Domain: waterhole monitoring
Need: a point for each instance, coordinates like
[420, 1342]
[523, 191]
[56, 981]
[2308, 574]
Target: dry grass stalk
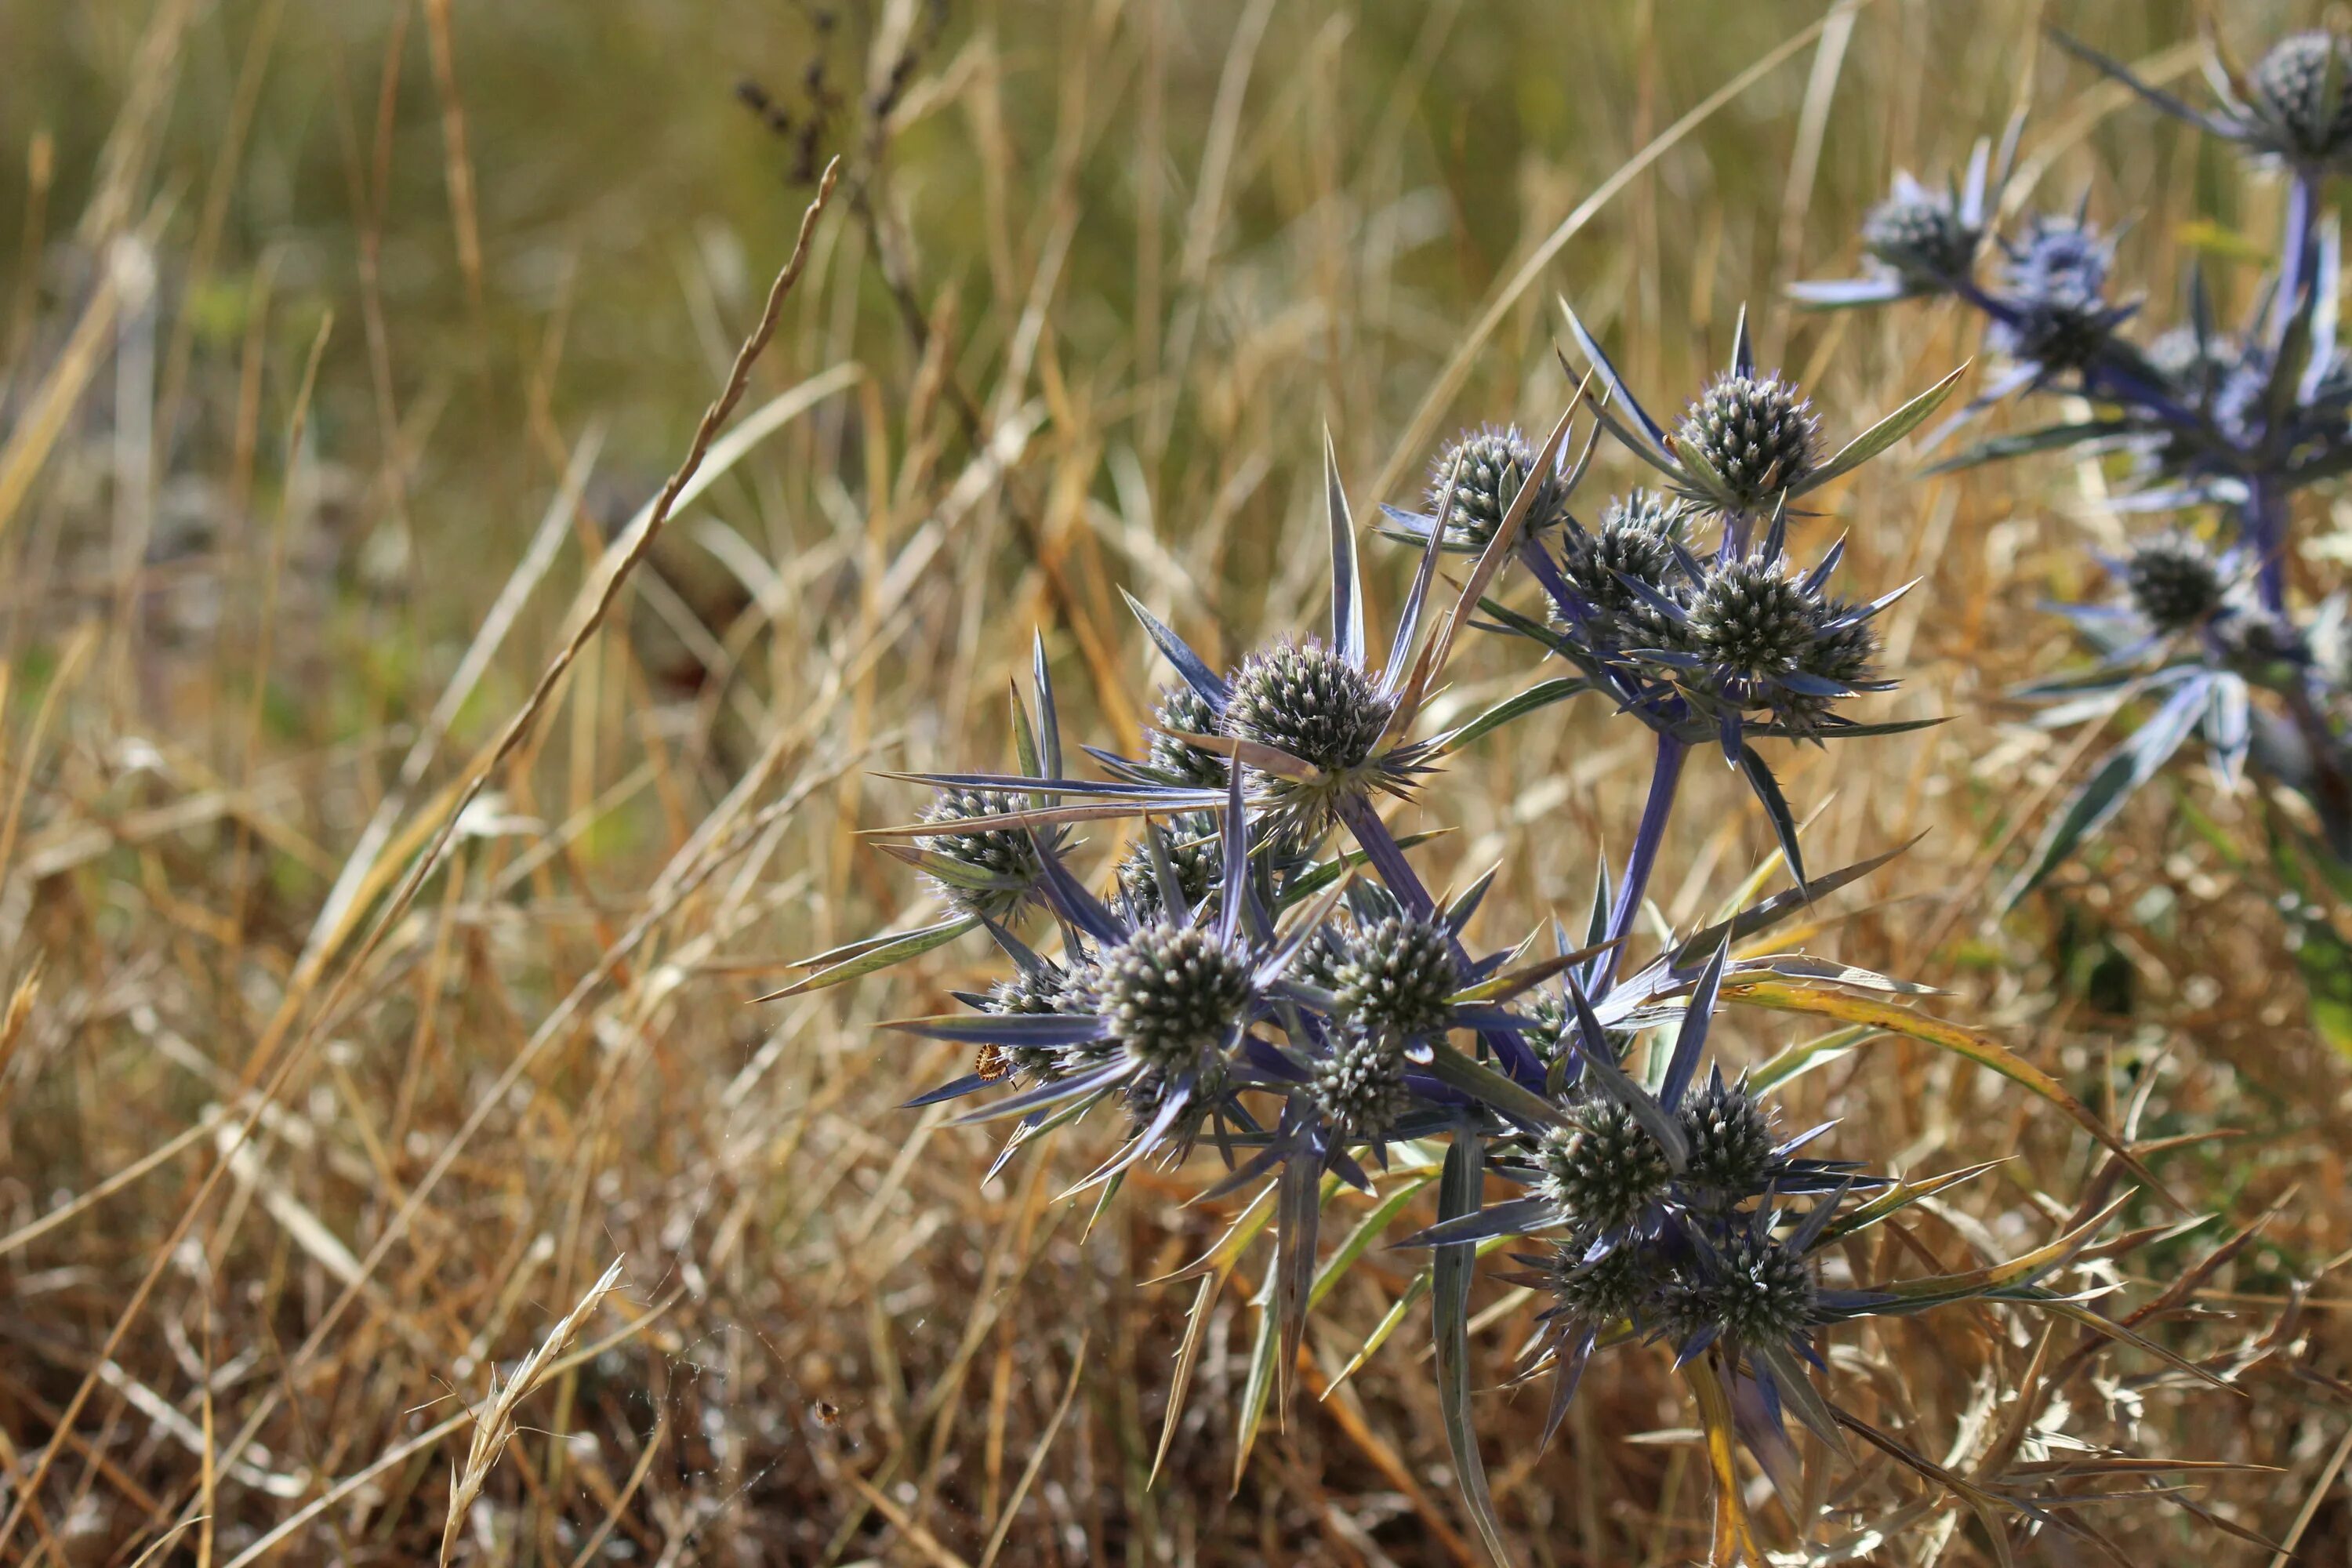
[494, 1417]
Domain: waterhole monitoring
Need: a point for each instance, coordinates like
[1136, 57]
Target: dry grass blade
[494, 1418]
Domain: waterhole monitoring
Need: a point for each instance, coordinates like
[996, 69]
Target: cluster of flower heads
[1711, 641]
[1262, 971]
[2229, 422]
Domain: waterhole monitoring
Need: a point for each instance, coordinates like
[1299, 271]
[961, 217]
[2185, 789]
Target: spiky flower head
[1360, 1085]
[2056, 279]
[1555, 1033]
[1044, 991]
[1172, 994]
[1183, 710]
[1748, 617]
[1636, 540]
[2192, 360]
[1495, 461]
[2301, 93]
[1757, 433]
[1732, 1153]
[2174, 581]
[2260, 644]
[1395, 974]
[1603, 1292]
[1001, 863]
[1753, 1290]
[1195, 853]
[1604, 1169]
[1305, 699]
[1920, 234]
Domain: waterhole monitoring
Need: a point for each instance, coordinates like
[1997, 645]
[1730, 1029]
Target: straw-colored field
[340, 345]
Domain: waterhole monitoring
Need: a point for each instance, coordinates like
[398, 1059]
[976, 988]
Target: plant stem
[2264, 522]
[2294, 251]
[1665, 775]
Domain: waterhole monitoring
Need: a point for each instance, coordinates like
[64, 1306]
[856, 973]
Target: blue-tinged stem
[1736, 526]
[1666, 776]
[1396, 872]
[1386, 857]
[2294, 251]
[2263, 519]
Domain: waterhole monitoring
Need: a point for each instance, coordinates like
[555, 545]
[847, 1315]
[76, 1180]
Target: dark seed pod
[1601, 1293]
[1172, 994]
[1360, 1085]
[2056, 277]
[1921, 237]
[2174, 582]
[1604, 1169]
[1395, 976]
[1731, 1148]
[1185, 711]
[1754, 1291]
[1495, 462]
[1749, 618]
[2260, 646]
[1008, 855]
[2302, 92]
[1757, 433]
[1636, 540]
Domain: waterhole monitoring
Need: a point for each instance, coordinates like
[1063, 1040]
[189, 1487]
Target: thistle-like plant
[1264, 972]
[2230, 422]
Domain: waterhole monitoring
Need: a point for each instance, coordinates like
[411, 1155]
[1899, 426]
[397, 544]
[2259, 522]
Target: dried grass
[400, 816]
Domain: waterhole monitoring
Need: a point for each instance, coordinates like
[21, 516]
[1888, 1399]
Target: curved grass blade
[1958, 1038]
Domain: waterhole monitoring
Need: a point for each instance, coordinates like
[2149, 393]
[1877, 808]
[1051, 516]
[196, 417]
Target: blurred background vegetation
[1098, 276]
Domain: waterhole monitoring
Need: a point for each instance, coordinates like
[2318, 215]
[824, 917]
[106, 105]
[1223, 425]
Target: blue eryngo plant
[2224, 422]
[1261, 984]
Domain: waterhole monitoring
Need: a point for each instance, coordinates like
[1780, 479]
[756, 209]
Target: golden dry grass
[342, 344]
